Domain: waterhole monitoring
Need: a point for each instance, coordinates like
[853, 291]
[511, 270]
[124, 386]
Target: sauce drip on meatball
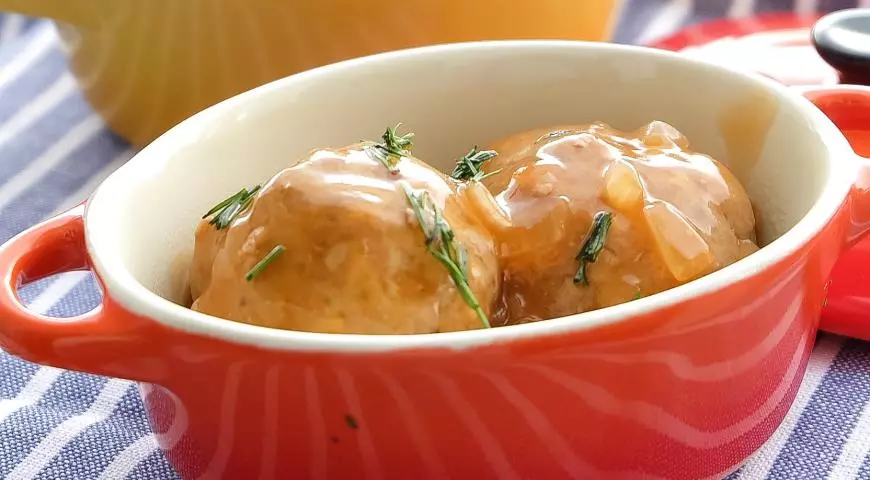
[675, 215]
[355, 256]
[549, 222]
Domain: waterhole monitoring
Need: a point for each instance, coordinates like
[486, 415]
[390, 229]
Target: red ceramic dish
[682, 384]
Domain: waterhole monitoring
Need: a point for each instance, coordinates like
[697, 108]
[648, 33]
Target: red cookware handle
[98, 341]
[847, 308]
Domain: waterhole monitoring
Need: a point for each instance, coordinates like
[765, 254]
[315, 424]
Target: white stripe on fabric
[44, 377]
[74, 138]
[37, 108]
[741, 8]
[11, 28]
[825, 352]
[56, 290]
[805, 6]
[855, 450]
[54, 293]
[668, 19]
[63, 434]
[39, 383]
[96, 179]
[130, 458]
[45, 37]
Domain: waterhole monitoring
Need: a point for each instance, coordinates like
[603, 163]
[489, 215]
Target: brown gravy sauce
[355, 255]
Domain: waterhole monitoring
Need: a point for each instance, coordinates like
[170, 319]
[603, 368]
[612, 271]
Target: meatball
[208, 240]
[599, 217]
[344, 242]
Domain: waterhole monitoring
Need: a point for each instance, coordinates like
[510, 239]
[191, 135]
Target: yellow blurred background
[145, 65]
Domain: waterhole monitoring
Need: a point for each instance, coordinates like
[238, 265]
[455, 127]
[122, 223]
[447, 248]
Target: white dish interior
[140, 222]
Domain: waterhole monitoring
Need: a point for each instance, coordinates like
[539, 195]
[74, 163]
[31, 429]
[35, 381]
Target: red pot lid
[777, 45]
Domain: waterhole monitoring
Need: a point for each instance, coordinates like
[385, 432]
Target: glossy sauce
[355, 258]
[677, 215]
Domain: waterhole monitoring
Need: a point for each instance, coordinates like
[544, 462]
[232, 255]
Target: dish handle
[847, 307]
[102, 341]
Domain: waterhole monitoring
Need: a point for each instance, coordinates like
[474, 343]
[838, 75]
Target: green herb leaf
[351, 421]
[440, 241]
[262, 264]
[468, 167]
[637, 294]
[398, 143]
[592, 245]
[227, 210]
[391, 149]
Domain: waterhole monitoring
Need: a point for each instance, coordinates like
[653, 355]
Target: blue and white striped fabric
[54, 150]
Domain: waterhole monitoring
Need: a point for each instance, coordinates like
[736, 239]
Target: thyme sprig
[391, 148]
[468, 168]
[351, 422]
[592, 245]
[228, 209]
[270, 257]
[441, 243]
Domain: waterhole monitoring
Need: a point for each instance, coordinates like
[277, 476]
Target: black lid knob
[842, 39]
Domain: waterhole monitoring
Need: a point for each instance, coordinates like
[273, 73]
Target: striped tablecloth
[54, 150]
